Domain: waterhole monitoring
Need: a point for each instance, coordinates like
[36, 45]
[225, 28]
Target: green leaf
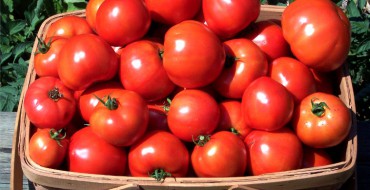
[22, 48]
[9, 4]
[5, 57]
[352, 9]
[359, 27]
[16, 26]
[361, 3]
[8, 98]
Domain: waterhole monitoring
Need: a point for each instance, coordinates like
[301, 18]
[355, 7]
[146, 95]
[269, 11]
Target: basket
[325, 177]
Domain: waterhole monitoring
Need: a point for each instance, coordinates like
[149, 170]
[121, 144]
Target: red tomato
[46, 58]
[267, 105]
[143, 58]
[158, 115]
[325, 81]
[48, 148]
[322, 120]
[314, 157]
[308, 24]
[121, 118]
[90, 154]
[193, 113]
[294, 75]
[223, 154]
[159, 154]
[91, 9]
[193, 55]
[172, 12]
[69, 26]
[245, 63]
[228, 17]
[274, 151]
[86, 59]
[231, 118]
[88, 99]
[49, 104]
[121, 22]
[269, 37]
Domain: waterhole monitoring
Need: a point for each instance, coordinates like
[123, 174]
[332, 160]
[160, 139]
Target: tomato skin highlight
[158, 150]
[94, 155]
[224, 155]
[314, 22]
[324, 131]
[49, 103]
[86, 59]
[183, 45]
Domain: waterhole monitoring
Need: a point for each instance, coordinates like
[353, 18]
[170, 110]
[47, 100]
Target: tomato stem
[160, 175]
[201, 140]
[54, 94]
[234, 131]
[318, 108]
[57, 135]
[111, 103]
[43, 47]
[160, 53]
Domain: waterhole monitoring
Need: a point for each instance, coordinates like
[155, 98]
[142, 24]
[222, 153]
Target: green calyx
[318, 108]
[58, 135]
[201, 140]
[110, 103]
[42, 46]
[160, 175]
[54, 94]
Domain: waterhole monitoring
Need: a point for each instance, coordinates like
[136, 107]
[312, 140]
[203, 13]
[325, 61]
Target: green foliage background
[20, 20]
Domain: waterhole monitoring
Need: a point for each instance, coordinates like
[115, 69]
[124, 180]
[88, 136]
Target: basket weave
[323, 178]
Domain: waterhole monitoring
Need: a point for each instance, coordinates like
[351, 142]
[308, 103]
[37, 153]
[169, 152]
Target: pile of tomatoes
[178, 88]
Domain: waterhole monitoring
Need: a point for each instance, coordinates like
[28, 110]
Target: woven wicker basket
[326, 177]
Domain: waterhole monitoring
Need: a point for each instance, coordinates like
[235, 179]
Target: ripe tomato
[245, 62]
[88, 99]
[91, 9]
[143, 58]
[193, 55]
[269, 37]
[48, 148]
[172, 12]
[94, 155]
[322, 120]
[231, 118]
[158, 115]
[223, 154]
[46, 58]
[49, 104]
[193, 113]
[273, 151]
[121, 117]
[227, 18]
[314, 157]
[121, 22]
[69, 26]
[159, 154]
[294, 75]
[267, 105]
[325, 81]
[86, 59]
[314, 22]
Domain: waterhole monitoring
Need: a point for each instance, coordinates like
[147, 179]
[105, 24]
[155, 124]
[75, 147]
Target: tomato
[294, 75]
[68, 26]
[325, 81]
[158, 115]
[172, 12]
[245, 63]
[49, 103]
[322, 25]
[121, 117]
[314, 157]
[223, 154]
[322, 120]
[121, 22]
[48, 148]
[86, 59]
[46, 58]
[193, 55]
[227, 18]
[143, 58]
[273, 151]
[88, 99]
[91, 9]
[90, 154]
[269, 37]
[231, 118]
[267, 105]
[193, 113]
[159, 154]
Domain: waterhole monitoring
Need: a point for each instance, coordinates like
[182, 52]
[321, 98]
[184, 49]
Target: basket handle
[127, 187]
[241, 187]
